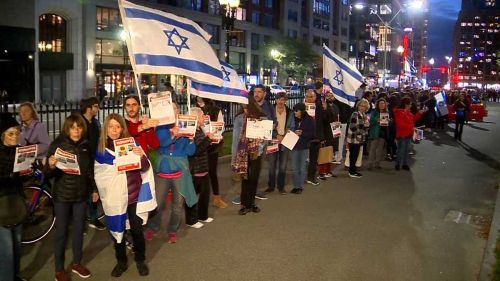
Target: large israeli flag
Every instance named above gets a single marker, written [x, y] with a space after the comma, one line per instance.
[342, 77]
[163, 43]
[233, 89]
[410, 69]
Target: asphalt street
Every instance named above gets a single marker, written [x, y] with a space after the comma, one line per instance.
[388, 225]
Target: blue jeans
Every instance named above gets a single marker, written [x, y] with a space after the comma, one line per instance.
[403, 150]
[163, 185]
[280, 158]
[10, 253]
[299, 167]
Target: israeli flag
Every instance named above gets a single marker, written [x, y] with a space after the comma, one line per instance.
[163, 43]
[342, 77]
[233, 89]
[410, 69]
[441, 105]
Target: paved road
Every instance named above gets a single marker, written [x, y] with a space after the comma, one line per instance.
[387, 225]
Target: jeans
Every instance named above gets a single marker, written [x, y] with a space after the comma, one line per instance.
[137, 237]
[313, 160]
[353, 156]
[280, 158]
[249, 185]
[403, 150]
[213, 159]
[67, 212]
[299, 167]
[10, 253]
[376, 154]
[459, 127]
[164, 185]
[199, 211]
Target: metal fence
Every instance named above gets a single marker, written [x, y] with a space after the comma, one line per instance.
[53, 114]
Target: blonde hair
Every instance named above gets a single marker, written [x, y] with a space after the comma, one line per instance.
[34, 114]
[363, 102]
[104, 131]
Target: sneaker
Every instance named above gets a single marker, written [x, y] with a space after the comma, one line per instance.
[406, 167]
[296, 191]
[62, 276]
[129, 245]
[337, 162]
[119, 269]
[261, 196]
[322, 177]
[328, 175]
[313, 182]
[172, 237]
[17, 278]
[355, 175]
[269, 190]
[80, 270]
[209, 219]
[283, 192]
[255, 209]
[218, 202]
[196, 225]
[236, 200]
[243, 211]
[97, 225]
[149, 234]
[142, 268]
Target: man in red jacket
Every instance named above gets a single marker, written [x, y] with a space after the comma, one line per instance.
[405, 122]
[142, 130]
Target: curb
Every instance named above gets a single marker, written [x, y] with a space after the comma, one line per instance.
[489, 258]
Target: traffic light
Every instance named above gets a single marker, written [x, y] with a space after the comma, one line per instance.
[454, 78]
[442, 69]
[425, 68]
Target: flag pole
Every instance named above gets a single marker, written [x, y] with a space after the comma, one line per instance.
[137, 85]
[188, 88]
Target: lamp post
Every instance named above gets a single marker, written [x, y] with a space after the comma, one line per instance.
[228, 13]
[415, 5]
[401, 51]
[448, 60]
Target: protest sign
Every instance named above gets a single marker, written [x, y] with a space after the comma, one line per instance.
[125, 158]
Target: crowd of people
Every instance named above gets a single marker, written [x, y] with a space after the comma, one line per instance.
[381, 125]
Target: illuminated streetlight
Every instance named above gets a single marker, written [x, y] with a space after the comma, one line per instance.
[400, 49]
[416, 4]
[431, 61]
[359, 6]
[448, 59]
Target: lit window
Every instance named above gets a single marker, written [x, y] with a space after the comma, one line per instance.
[52, 33]
[463, 24]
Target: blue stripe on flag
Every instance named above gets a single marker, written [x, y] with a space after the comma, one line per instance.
[116, 223]
[226, 64]
[170, 61]
[145, 193]
[338, 92]
[141, 14]
[219, 90]
[343, 66]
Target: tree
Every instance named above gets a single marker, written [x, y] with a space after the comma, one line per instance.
[298, 57]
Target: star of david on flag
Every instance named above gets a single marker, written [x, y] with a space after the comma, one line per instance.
[163, 43]
[233, 89]
[342, 77]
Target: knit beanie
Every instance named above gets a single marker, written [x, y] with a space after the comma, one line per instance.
[7, 121]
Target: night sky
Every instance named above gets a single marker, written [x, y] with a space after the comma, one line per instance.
[444, 14]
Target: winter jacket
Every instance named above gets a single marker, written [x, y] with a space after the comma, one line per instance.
[198, 162]
[92, 135]
[332, 115]
[357, 130]
[305, 124]
[10, 182]
[146, 139]
[69, 187]
[175, 147]
[405, 122]
[214, 112]
[376, 131]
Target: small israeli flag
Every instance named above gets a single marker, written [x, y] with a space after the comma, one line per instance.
[410, 69]
[163, 43]
[233, 89]
[342, 77]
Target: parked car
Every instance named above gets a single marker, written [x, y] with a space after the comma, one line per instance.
[477, 112]
[275, 89]
[292, 90]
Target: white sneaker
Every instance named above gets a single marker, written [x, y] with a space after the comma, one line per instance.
[209, 219]
[196, 225]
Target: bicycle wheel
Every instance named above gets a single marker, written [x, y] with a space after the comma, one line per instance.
[41, 216]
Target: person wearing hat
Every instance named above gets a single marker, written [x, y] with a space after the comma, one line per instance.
[11, 216]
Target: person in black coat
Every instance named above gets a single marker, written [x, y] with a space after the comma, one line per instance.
[70, 192]
[10, 186]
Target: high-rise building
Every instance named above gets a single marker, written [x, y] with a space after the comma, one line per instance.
[476, 43]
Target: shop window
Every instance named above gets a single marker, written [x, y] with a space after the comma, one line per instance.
[52, 33]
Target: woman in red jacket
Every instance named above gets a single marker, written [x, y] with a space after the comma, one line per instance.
[405, 121]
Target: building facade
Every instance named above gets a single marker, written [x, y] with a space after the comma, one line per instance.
[476, 45]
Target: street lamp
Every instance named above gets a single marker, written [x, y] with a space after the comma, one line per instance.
[448, 59]
[228, 13]
[401, 50]
[431, 61]
[415, 5]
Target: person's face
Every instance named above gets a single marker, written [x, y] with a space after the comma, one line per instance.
[330, 97]
[310, 98]
[11, 136]
[95, 109]
[362, 108]
[408, 106]
[25, 113]
[114, 129]
[75, 132]
[200, 102]
[259, 94]
[281, 102]
[132, 108]
[382, 105]
[297, 113]
[462, 97]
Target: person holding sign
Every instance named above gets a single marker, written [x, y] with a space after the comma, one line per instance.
[317, 97]
[114, 128]
[278, 160]
[173, 175]
[378, 133]
[33, 130]
[141, 129]
[12, 206]
[303, 126]
[332, 132]
[356, 135]
[405, 126]
[70, 193]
